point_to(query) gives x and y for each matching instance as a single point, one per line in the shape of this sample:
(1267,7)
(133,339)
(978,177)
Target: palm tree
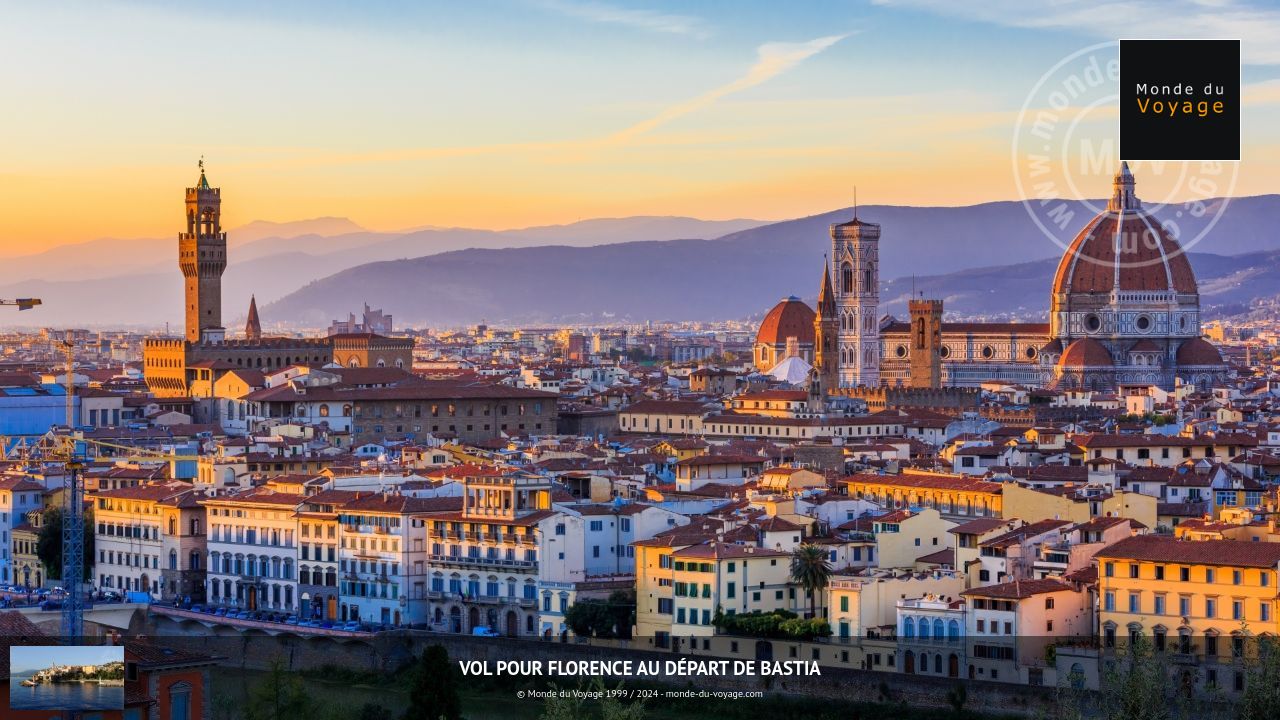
(811,570)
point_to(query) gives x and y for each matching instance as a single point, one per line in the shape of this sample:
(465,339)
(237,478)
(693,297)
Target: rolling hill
(984,259)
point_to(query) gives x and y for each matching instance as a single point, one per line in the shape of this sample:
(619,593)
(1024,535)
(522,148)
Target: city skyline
(598,110)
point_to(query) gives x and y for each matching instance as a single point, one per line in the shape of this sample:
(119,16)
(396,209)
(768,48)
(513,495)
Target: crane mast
(72,511)
(72,456)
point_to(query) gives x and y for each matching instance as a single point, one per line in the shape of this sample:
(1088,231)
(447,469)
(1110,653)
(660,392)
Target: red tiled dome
(789,318)
(1125,235)
(1086,352)
(1198,351)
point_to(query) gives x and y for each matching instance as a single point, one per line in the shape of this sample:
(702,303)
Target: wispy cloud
(650,20)
(772,59)
(1256,26)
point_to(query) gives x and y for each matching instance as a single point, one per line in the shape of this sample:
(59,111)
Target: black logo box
(1187,69)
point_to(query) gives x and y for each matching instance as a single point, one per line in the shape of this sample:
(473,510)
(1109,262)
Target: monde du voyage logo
(1180,100)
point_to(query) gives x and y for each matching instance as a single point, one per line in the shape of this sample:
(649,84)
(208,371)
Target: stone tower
(253,326)
(826,335)
(855,257)
(202,255)
(926,343)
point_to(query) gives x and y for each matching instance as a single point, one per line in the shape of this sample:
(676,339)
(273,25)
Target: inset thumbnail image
(62,677)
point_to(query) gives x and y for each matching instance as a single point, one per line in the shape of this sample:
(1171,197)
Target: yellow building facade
(680,585)
(953,496)
(1200,599)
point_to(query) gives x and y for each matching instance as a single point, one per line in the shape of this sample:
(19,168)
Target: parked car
(351,626)
(291,620)
(484,631)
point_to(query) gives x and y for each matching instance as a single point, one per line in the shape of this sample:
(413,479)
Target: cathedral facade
(1124,312)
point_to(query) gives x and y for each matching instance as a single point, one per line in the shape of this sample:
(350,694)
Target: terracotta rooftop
(1018,589)
(1229,553)
(789,318)
(927,480)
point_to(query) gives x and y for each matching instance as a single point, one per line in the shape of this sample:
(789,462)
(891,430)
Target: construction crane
(72,510)
(74,451)
(23,303)
(72,454)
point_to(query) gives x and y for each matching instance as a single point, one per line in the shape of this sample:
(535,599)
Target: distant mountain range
(983,259)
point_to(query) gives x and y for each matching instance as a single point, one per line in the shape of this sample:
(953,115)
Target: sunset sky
(510,113)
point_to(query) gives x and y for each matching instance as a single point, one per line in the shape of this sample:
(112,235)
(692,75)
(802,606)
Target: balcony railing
(482,561)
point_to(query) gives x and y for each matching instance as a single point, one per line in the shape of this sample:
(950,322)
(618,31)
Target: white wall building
(18,495)
(253,550)
(382,559)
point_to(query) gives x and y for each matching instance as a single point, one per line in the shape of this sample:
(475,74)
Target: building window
(180,701)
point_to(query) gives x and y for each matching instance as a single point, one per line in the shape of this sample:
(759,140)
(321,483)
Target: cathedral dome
(1124,249)
(1198,351)
(790,318)
(1086,352)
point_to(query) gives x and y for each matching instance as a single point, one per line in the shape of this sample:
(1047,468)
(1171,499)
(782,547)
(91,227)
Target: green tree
(434,693)
(1135,688)
(575,708)
(811,570)
(610,618)
(49,543)
(1262,687)
(957,696)
(374,711)
(279,696)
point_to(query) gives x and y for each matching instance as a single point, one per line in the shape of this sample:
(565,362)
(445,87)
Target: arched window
(953,631)
(937,629)
(924,629)
(866,280)
(173,559)
(324,410)
(919,333)
(846,278)
(908,628)
(180,701)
